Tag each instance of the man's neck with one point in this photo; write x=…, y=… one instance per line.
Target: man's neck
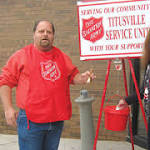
x=43, y=49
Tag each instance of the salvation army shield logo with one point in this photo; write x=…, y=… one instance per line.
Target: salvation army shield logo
x=50, y=70
x=92, y=29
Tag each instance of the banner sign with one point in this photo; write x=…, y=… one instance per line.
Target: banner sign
x=112, y=29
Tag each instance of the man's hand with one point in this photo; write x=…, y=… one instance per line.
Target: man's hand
x=83, y=78
x=11, y=117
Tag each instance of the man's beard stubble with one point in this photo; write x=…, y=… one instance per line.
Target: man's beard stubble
x=45, y=43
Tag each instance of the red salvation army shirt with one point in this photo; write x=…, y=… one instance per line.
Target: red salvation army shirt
x=16, y=74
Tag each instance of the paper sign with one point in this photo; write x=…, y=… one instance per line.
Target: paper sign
x=112, y=29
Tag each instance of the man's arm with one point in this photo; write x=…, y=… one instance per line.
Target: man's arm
x=8, y=79
x=6, y=98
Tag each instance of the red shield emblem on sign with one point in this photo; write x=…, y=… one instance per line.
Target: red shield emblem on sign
x=50, y=70
x=92, y=29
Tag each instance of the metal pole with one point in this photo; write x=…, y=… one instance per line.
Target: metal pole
x=102, y=104
x=86, y=120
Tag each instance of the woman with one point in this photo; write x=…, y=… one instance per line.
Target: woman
x=145, y=88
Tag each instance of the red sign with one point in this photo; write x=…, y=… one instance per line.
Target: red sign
x=92, y=29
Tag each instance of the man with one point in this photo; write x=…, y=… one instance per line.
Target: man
x=41, y=74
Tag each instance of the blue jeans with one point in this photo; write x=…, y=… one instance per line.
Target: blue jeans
x=39, y=136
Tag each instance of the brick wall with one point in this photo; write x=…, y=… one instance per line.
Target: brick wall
x=16, y=22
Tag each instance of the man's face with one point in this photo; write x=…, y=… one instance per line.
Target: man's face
x=44, y=36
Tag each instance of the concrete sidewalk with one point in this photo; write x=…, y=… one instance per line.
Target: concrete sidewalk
x=9, y=142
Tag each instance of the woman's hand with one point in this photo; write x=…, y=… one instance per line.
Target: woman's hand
x=122, y=104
